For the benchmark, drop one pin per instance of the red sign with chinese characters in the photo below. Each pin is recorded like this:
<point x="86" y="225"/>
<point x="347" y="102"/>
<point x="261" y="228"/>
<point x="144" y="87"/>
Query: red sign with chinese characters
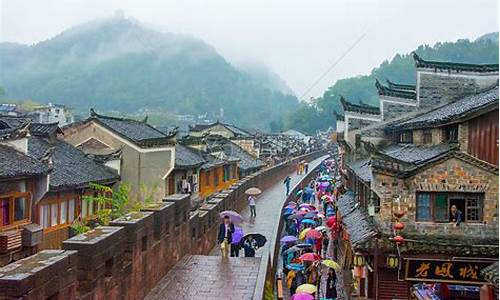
<point x="452" y="271"/>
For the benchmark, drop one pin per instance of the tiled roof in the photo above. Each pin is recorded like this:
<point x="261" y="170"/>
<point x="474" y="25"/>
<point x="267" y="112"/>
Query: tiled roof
<point x="211" y="161"/>
<point x="234" y="129"/>
<point x="13" y="122"/>
<point x="394" y="92"/>
<point x="491" y="274"/>
<point x="451" y="112"/>
<point x="359" y="108"/>
<point x="439" y="65"/>
<point x="186" y="157"/>
<point x="415" y="154"/>
<point x="401" y="86"/>
<point x="355" y="220"/>
<point x="362" y="169"/>
<point x="17" y="164"/>
<point x="230" y="149"/>
<point x="71" y="168"/>
<point x="44" y="129"/>
<point x="138" y="132"/>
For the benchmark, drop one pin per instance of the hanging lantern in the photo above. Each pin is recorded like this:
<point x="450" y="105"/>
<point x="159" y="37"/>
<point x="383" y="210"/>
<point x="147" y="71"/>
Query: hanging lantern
<point x="398" y="239"/>
<point x="358" y="259"/>
<point x="392" y="261"/>
<point x="399" y="226"/>
<point x="399" y="214"/>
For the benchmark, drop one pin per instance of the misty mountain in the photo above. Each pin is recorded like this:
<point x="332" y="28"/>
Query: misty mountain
<point x="118" y="64"/>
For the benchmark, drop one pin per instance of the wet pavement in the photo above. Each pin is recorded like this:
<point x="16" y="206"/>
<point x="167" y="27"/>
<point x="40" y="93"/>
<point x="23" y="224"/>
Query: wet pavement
<point x="211" y="277"/>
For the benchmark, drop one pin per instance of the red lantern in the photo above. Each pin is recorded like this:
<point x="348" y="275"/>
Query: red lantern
<point x="399" y="214"/>
<point x="398" y="239"/>
<point x="399" y="226"/>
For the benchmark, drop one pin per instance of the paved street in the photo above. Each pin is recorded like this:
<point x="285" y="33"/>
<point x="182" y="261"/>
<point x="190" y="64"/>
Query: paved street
<point x="210" y="277"/>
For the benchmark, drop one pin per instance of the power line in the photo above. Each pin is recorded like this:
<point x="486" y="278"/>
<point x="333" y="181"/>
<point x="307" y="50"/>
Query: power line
<point x="334" y="65"/>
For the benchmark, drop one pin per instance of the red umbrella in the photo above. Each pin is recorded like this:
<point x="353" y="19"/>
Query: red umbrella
<point x="314" y="234"/>
<point x="309" y="257"/>
<point x="330" y="222"/>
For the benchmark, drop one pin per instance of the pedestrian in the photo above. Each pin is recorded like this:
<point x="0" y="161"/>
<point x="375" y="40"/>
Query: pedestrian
<point x="226" y="230"/>
<point x="306" y="166"/>
<point x="331" y="285"/>
<point x="455" y="216"/>
<point x="286" y="182"/>
<point x="235" y="249"/>
<point x="251" y="204"/>
<point x="249" y="246"/>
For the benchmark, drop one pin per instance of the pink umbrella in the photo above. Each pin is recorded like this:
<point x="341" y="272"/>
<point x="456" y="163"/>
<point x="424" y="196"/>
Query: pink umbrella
<point x="234" y="216"/>
<point x="302" y="296"/>
<point x="314" y="234"/>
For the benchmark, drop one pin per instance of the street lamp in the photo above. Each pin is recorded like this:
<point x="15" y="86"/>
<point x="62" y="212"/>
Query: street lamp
<point x="358" y="259"/>
<point x="392" y="261"/>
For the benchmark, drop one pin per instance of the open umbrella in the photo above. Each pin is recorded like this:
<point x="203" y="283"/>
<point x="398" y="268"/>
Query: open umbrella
<point x="320" y="215"/>
<point x="288" y="239"/>
<point x="290" y="250"/>
<point x="234" y="216"/>
<point x="303" y="246"/>
<point x="299" y="192"/>
<point x="306" y="288"/>
<point x="295" y="267"/>
<point x="295" y="217"/>
<point x="302" y="296"/>
<point x="302" y="234"/>
<point x="253" y="191"/>
<point x="308" y="221"/>
<point x="314" y="234"/>
<point x="260" y="240"/>
<point x="330" y="222"/>
<point x="331" y="264"/>
<point x="309" y="257"/>
<point x="321" y="228"/>
<point x="310" y="215"/>
<point x="291" y="205"/>
<point x="237" y="235"/>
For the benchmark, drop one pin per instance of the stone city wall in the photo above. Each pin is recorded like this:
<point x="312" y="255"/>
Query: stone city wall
<point x="126" y="259"/>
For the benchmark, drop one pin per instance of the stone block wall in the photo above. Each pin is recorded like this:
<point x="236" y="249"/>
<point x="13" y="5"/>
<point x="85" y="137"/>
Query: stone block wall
<point x="439" y="87"/>
<point x="126" y="259"/>
<point x="452" y="175"/>
<point x="393" y="110"/>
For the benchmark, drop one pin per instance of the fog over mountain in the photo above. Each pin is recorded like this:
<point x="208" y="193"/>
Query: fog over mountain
<point x="120" y="64"/>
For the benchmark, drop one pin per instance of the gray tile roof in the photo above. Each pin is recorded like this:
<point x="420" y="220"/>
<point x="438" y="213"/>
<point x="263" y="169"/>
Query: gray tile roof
<point x="44" y="129"/>
<point x="416" y="154"/>
<point x="355" y="220"/>
<point x="234" y="129"/>
<point x="490" y="273"/>
<point x="17" y="164"/>
<point x="362" y="169"/>
<point x="139" y="132"/>
<point x="395" y="92"/>
<point x="441" y="65"/>
<point x="71" y="168"/>
<point x="451" y="111"/>
<point x="186" y="157"/>
<point x="359" y="108"/>
<point x="230" y="149"/>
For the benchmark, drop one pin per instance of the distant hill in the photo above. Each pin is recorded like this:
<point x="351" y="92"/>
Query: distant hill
<point x="118" y="64"/>
<point x="401" y="68"/>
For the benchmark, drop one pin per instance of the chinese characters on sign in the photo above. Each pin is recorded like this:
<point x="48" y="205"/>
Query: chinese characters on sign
<point x="445" y="270"/>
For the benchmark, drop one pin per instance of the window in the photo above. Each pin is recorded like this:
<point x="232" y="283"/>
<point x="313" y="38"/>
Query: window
<point x="406" y="137"/>
<point x="435" y="207"/>
<point x="57" y="212"/>
<point x="14" y="208"/>
<point x="427" y="136"/>
<point x="451" y="133"/>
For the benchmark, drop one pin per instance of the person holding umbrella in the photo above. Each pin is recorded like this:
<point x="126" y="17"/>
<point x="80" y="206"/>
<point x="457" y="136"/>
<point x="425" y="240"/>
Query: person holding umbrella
<point x="226" y="230"/>
<point x="252" y="196"/>
<point x="235" y="241"/>
<point x="249" y="245"/>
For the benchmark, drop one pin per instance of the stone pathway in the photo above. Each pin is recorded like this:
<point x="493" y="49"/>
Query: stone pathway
<point x="268" y="206"/>
<point x="210" y="277"/>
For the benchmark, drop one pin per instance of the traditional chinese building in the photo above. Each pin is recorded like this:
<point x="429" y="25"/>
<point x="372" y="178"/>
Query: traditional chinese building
<point x="436" y="147"/>
<point x="147" y="154"/>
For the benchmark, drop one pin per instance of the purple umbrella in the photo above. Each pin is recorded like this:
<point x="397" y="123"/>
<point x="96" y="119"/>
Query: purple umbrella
<point x="234" y="216"/>
<point x="288" y="239"/>
<point x="237" y="235"/>
<point x="302" y="296"/>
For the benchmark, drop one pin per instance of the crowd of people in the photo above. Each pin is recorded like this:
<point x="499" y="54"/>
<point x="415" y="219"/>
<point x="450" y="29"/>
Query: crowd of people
<point x="308" y="243"/>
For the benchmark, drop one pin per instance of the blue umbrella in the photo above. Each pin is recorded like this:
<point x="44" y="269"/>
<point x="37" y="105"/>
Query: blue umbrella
<point x="308" y="221"/>
<point x="295" y="267"/>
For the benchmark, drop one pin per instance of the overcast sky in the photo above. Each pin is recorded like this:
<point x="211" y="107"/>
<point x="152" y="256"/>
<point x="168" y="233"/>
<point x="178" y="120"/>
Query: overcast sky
<point x="299" y="40"/>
